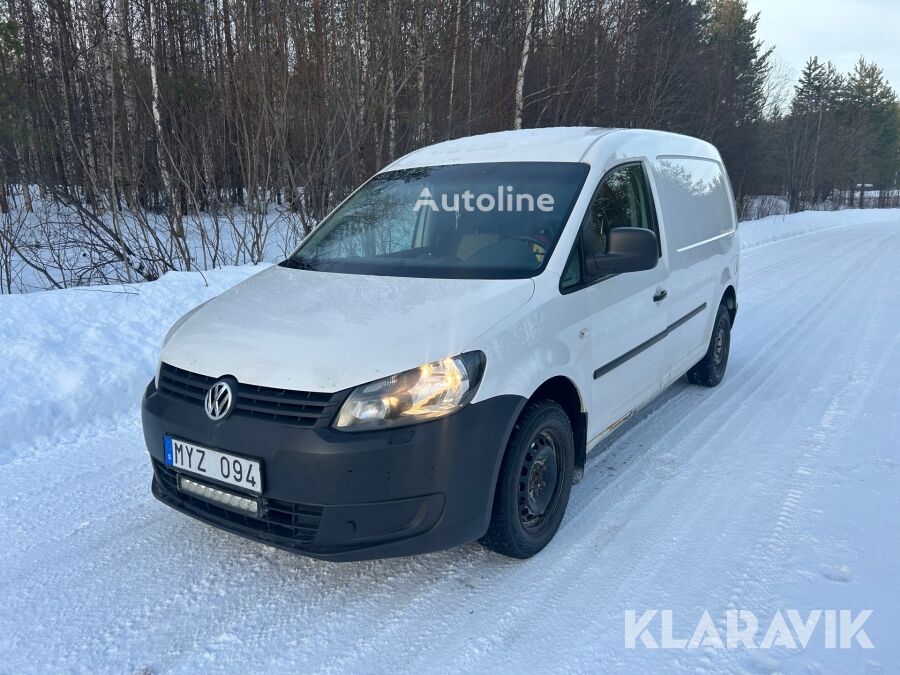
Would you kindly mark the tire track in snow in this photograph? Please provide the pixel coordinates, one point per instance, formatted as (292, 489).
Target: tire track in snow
(854, 384)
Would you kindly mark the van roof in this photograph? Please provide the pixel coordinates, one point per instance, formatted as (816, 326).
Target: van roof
(549, 144)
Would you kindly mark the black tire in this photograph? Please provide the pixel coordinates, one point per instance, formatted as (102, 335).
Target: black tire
(528, 507)
(711, 369)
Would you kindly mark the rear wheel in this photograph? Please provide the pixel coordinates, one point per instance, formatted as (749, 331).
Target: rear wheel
(711, 369)
(535, 482)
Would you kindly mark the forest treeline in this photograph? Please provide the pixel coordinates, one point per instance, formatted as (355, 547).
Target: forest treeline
(170, 109)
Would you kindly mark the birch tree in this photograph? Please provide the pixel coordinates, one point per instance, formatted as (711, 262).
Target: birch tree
(523, 63)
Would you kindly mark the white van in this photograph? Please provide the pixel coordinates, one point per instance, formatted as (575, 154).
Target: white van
(432, 365)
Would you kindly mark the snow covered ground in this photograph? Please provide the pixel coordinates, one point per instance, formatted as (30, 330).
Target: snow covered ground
(775, 491)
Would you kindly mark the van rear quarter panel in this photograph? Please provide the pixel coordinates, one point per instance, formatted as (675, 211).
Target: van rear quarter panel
(696, 210)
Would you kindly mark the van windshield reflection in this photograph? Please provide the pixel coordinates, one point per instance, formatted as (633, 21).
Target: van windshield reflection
(480, 221)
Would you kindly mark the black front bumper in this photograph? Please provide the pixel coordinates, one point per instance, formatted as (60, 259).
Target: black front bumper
(346, 496)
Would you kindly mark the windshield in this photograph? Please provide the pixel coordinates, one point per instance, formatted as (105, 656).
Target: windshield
(478, 221)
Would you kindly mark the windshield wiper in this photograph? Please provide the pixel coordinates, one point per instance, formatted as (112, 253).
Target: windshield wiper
(295, 264)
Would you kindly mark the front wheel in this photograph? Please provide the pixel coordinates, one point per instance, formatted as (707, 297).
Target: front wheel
(711, 369)
(535, 482)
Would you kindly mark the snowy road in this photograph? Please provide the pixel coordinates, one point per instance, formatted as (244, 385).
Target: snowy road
(778, 490)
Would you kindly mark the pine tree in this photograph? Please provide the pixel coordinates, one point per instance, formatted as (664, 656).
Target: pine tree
(868, 113)
(819, 88)
(811, 162)
(738, 65)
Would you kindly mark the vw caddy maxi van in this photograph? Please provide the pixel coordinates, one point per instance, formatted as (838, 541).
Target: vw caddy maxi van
(433, 363)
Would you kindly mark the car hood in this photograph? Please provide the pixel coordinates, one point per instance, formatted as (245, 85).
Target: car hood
(324, 332)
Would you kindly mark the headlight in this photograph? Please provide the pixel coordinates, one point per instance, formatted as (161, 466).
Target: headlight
(424, 393)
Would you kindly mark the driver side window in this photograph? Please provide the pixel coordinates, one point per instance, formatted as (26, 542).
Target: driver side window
(623, 199)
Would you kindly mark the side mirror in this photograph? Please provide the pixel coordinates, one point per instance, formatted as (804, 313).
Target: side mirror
(631, 249)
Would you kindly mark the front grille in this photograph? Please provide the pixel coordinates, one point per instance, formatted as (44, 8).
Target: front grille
(285, 520)
(184, 384)
(299, 408)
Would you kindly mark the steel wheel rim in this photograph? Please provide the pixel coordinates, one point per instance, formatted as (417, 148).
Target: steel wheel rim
(720, 346)
(539, 480)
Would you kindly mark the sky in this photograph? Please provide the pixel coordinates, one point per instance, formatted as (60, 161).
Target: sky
(836, 30)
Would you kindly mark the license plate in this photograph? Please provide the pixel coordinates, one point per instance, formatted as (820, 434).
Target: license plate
(213, 464)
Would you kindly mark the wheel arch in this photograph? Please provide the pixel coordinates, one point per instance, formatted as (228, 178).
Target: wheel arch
(729, 299)
(563, 391)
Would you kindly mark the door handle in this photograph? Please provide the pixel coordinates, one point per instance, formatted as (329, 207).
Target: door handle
(660, 294)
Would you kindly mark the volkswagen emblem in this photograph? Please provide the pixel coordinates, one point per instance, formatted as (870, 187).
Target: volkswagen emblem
(219, 400)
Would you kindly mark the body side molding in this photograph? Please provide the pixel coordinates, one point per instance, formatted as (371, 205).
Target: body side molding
(631, 353)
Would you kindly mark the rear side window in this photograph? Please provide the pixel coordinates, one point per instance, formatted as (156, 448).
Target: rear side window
(623, 199)
(695, 200)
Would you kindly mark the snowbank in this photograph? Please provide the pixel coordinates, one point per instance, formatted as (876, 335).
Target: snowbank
(74, 355)
(773, 228)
